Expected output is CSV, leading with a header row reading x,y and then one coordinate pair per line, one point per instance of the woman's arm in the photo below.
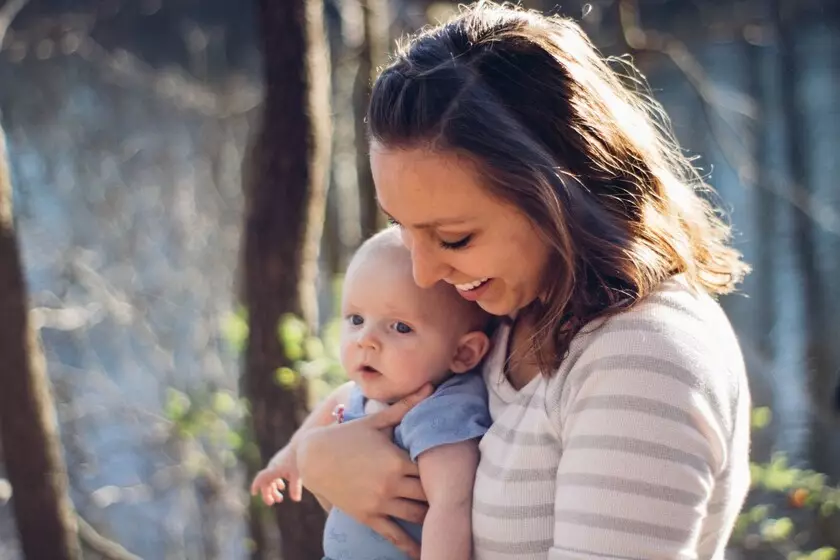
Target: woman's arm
x,y
356,467
448,473
647,423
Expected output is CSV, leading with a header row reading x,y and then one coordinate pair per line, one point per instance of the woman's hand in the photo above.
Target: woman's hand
x,y
356,467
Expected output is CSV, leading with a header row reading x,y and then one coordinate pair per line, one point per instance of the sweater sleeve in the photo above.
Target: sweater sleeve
x,y
644,416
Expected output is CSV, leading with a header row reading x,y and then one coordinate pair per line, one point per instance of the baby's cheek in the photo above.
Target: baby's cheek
x,y
423,364
345,353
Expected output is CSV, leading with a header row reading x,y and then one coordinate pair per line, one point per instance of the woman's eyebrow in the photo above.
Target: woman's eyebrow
x,y
427,225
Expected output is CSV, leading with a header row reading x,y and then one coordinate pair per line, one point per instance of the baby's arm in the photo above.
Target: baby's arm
x,y
447,473
269,481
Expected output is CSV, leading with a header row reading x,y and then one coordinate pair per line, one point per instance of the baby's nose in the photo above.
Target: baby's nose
x,y
368,339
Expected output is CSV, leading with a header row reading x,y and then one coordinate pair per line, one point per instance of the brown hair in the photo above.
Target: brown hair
x,y
559,134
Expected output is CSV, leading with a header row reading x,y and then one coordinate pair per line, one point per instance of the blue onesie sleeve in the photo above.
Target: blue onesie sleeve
x,y
457,411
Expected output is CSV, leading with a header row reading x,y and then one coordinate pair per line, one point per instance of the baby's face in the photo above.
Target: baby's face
x,y
396,337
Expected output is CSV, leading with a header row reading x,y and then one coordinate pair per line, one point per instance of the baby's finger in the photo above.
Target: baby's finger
x,y
266,496
276,494
258,483
295,488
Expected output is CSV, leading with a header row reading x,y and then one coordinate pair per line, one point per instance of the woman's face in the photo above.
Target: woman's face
x,y
457,231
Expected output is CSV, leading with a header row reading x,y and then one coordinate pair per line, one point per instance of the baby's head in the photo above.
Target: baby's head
x,y
395,336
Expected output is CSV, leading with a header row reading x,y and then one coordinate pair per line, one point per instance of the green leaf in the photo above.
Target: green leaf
x,y
234,440
292,332
331,338
777,530
759,513
824,553
778,476
234,329
761,417
286,378
827,508
314,348
756,474
223,403
742,523
815,482
177,404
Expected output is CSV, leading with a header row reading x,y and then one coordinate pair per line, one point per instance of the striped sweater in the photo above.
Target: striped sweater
x,y
636,448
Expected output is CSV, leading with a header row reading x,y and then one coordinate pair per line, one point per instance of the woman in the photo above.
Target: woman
x,y
523,172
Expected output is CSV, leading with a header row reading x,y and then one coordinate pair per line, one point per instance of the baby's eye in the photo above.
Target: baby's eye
x,y
402,328
355,319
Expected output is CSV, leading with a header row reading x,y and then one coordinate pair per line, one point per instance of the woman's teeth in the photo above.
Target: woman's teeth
x,y
470,285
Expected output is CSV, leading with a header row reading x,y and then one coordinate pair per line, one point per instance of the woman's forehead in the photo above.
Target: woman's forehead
x,y
433,187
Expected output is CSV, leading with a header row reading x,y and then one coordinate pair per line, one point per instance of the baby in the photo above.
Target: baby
x,y
397,337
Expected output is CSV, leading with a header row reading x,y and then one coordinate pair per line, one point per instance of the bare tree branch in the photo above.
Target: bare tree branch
x,y
8,13
175,86
714,100
101,545
72,32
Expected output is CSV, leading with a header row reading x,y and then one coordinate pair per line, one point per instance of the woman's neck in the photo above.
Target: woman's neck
x,y
521,365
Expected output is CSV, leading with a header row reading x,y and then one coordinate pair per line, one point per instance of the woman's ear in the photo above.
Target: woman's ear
x,y
472,347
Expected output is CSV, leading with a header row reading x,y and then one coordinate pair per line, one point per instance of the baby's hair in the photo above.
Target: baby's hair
x,y
387,238
390,240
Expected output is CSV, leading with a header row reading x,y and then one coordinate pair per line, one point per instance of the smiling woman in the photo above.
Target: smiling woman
x,y
456,233
522,171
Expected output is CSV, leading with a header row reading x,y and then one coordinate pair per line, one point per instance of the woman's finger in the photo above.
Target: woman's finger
x,y
396,536
411,488
393,415
407,510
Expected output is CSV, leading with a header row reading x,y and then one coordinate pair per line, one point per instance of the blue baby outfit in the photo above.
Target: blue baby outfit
x,y
457,411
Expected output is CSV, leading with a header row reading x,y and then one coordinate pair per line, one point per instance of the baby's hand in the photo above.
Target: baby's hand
x,y
272,480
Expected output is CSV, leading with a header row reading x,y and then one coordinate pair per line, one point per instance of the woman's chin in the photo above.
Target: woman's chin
x,y
496,307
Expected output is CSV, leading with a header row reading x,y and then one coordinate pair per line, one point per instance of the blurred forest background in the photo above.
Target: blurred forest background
x,y
174,163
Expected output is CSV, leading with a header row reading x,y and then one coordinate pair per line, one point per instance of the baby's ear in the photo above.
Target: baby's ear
x,y
471,349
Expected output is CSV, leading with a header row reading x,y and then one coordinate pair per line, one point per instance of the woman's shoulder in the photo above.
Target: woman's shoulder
x,y
674,350
676,322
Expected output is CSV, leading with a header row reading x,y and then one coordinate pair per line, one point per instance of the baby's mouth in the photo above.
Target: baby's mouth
x,y
368,369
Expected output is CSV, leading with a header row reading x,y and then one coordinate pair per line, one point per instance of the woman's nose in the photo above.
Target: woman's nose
x,y
427,268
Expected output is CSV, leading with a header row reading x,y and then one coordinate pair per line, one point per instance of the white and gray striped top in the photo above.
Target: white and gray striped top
x,y
638,447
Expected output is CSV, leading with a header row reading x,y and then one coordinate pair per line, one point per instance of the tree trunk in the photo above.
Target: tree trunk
x,y
34,464
284,220
805,237
765,204
372,53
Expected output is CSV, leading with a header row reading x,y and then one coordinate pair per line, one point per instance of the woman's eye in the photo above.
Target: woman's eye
x,y
392,222
402,328
355,319
460,244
